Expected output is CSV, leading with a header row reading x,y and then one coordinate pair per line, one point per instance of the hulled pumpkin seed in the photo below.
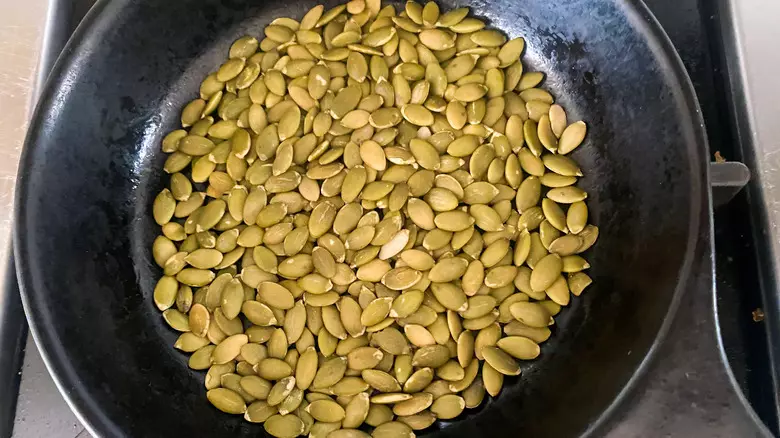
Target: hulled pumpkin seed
x,y
571,137
578,282
283,426
448,406
531,314
226,401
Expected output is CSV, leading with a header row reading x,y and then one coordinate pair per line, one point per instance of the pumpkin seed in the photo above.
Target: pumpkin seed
x,y
330,372
578,282
450,296
326,410
571,137
283,426
531,314
577,217
229,349
448,406
226,400
259,412
432,356
492,379
567,195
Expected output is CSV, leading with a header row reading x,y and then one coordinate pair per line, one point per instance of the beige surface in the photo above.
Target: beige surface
x,y
758,33
21,34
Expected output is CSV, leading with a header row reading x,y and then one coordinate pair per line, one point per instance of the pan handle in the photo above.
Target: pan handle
x,y
726,180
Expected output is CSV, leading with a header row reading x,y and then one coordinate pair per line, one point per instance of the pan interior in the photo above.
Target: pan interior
x,y
93,166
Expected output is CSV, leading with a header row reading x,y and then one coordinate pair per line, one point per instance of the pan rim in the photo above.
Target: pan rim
x,y
65,377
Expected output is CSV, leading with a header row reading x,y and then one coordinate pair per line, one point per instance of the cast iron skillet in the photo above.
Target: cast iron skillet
x,y
92,164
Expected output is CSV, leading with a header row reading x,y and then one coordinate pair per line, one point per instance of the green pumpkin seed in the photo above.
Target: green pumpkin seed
x,y
577,217
566,245
516,328
450,296
194,277
312,17
531,80
228,349
259,412
567,195
448,406
531,314
470,92
419,335
554,214
330,372
559,292
284,426
501,361
437,39
451,371
380,380
561,165
448,270
165,292
536,109
546,272
578,282
417,115
432,356
164,206
589,235
486,218
519,347
281,390
401,278
511,51
226,401
273,369
530,163
454,221
571,137
176,320
574,263
275,295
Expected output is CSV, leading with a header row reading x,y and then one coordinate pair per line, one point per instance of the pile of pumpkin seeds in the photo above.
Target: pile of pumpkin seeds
x,y
371,219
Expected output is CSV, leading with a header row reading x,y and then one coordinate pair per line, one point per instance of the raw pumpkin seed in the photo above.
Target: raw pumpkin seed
x,y
448,406
578,282
571,137
226,401
283,426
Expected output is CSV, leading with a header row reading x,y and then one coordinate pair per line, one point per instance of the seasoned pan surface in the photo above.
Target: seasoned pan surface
x,y
91,169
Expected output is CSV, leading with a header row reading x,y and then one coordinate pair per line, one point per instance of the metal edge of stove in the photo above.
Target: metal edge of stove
x,y
748,147
13,333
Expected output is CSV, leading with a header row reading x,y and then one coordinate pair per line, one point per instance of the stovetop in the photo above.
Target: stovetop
x,y
687,390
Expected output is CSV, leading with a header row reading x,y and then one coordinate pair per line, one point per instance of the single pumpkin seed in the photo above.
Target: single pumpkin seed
x,y
448,406
578,282
283,426
226,400
571,137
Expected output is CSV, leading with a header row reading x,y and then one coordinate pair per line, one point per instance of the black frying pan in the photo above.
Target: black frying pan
x,y
92,164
